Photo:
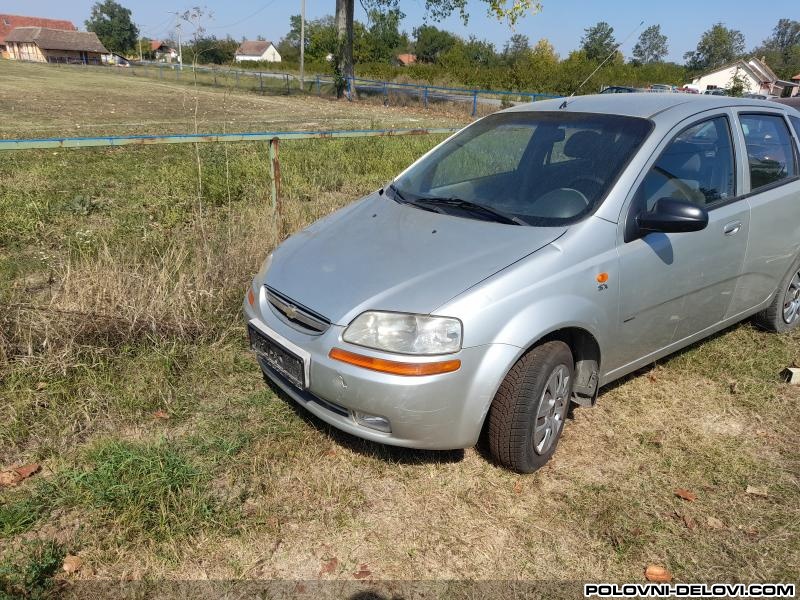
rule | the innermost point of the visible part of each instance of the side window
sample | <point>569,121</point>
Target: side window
<point>696,166</point>
<point>796,124</point>
<point>770,151</point>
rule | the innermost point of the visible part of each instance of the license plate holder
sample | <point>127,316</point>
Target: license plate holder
<point>278,357</point>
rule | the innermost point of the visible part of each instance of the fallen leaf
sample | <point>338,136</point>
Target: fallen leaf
<point>331,452</point>
<point>757,491</point>
<point>27,470</point>
<point>652,376</point>
<point>689,522</point>
<point>686,494</point>
<point>518,487</point>
<point>72,563</point>
<point>657,574</point>
<point>329,567</point>
<point>715,523</point>
<point>363,572</point>
<point>40,386</point>
<point>161,414</point>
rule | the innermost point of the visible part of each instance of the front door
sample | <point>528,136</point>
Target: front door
<point>678,284</point>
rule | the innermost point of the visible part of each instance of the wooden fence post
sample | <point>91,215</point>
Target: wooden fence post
<point>275,182</point>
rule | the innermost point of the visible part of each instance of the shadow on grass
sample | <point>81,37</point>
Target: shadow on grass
<point>393,454</point>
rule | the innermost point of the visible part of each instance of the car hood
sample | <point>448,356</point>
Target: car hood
<point>378,254</point>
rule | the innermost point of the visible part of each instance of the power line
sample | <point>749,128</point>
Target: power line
<point>267,5</point>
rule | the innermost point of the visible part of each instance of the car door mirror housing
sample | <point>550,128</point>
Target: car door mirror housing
<point>672,215</point>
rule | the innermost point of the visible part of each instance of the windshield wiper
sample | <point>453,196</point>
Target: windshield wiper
<point>473,207</point>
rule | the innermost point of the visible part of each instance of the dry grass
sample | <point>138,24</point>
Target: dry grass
<point>44,100</point>
<point>121,306</point>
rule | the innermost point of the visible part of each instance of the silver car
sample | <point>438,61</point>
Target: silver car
<point>530,259</point>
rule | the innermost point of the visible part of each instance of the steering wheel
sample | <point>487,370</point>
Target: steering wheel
<point>588,185</point>
<point>561,203</point>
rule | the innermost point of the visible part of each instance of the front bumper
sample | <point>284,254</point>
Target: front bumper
<point>437,412</point>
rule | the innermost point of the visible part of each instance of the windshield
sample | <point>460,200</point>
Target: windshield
<point>540,168</point>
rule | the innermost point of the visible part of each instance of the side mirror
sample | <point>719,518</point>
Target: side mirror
<point>671,215</point>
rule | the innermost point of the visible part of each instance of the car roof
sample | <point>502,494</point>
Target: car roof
<point>643,105</point>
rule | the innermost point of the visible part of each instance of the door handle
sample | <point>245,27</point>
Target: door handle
<point>732,228</point>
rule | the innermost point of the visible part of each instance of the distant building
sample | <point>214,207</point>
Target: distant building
<point>257,50</point>
<point>40,44</point>
<point>754,74</point>
<point>162,51</point>
<point>10,22</point>
<point>406,59</point>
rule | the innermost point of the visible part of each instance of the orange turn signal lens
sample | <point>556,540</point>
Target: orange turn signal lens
<point>251,297</point>
<point>602,277</point>
<point>394,367</point>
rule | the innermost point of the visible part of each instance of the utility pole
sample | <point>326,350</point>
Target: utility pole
<point>302,42</point>
<point>178,33</point>
<point>140,48</point>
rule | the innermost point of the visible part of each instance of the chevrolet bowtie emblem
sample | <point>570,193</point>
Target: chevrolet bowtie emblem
<point>291,311</point>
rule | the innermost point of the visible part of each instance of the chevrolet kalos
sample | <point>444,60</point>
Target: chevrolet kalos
<point>530,259</point>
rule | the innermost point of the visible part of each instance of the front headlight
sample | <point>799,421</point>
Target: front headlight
<point>405,333</point>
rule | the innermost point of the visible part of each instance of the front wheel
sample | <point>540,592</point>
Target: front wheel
<point>528,412</point>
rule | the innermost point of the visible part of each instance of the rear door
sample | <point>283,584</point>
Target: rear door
<point>772,180</point>
<point>678,284</point>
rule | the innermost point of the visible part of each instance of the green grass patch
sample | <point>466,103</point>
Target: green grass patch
<point>28,572</point>
<point>150,490</point>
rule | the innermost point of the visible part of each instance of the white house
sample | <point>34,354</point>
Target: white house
<point>755,75</point>
<point>257,51</point>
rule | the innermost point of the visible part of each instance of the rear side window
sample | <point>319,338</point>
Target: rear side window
<point>770,151</point>
<point>696,166</point>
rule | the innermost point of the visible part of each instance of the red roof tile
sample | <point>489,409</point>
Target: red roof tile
<point>10,22</point>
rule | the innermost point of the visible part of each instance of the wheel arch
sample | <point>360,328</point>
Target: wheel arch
<point>586,355</point>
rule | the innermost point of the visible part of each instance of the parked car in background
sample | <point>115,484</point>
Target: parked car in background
<point>794,101</point>
<point>618,89</point>
<point>538,254</point>
<point>716,92</point>
<point>661,87</point>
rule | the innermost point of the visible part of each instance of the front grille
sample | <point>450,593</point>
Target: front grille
<point>295,314</point>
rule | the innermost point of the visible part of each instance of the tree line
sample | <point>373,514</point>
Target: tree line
<point>443,57</point>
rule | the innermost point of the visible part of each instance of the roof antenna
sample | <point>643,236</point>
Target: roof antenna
<point>600,66</point>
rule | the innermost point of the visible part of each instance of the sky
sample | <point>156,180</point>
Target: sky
<point>560,21</point>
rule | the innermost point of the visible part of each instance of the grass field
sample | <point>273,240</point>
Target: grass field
<point>124,372</point>
<point>71,101</point>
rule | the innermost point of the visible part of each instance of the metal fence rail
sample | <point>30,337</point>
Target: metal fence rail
<point>273,139</point>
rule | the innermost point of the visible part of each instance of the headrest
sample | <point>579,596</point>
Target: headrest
<point>583,144</point>
<point>682,159</point>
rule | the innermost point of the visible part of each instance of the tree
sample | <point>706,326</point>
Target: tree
<point>383,37</point>
<point>651,47</point>
<point>717,46</point>
<point>511,10</point>
<point>205,50</point>
<point>431,43</point>
<point>782,49</point>
<point>785,36</point>
<point>598,41</point>
<point>113,25</point>
<point>516,47</point>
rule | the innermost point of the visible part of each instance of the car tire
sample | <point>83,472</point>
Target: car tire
<point>527,414</point>
<point>783,313</point>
